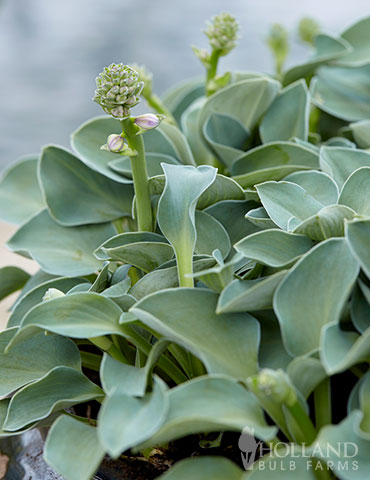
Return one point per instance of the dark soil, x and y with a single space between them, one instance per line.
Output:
140 468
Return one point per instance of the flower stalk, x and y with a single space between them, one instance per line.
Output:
222 33
139 176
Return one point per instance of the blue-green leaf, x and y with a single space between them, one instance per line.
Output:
326 274
61 250
187 316
20 194
274 247
287 117
77 441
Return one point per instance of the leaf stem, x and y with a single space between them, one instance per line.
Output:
139 176
164 362
322 400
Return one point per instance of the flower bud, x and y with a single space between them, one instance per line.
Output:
52 293
222 32
274 384
115 143
148 121
202 55
118 90
308 29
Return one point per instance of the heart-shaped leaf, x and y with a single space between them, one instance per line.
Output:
84 315
274 248
327 48
249 295
246 100
259 217
287 117
127 379
318 184
340 162
340 350
284 200
77 441
355 192
144 250
187 316
33 359
347 433
77 195
61 250
35 296
306 374
125 421
20 194
231 215
328 222
62 387
11 280
210 403
361 133
326 273
342 92
210 235
358 37
226 136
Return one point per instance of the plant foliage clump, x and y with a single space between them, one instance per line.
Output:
204 269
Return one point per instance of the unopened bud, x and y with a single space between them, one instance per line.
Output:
308 29
148 121
116 143
52 293
274 384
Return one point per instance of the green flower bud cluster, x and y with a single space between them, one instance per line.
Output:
118 90
278 42
222 32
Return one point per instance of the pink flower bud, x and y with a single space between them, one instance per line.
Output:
148 121
116 143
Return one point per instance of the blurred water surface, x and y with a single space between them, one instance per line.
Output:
51 52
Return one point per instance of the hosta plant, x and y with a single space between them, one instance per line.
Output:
203 299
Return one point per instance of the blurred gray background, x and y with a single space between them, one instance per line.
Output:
51 52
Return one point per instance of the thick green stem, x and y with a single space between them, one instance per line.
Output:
139 176
303 421
157 105
322 399
212 70
185 268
